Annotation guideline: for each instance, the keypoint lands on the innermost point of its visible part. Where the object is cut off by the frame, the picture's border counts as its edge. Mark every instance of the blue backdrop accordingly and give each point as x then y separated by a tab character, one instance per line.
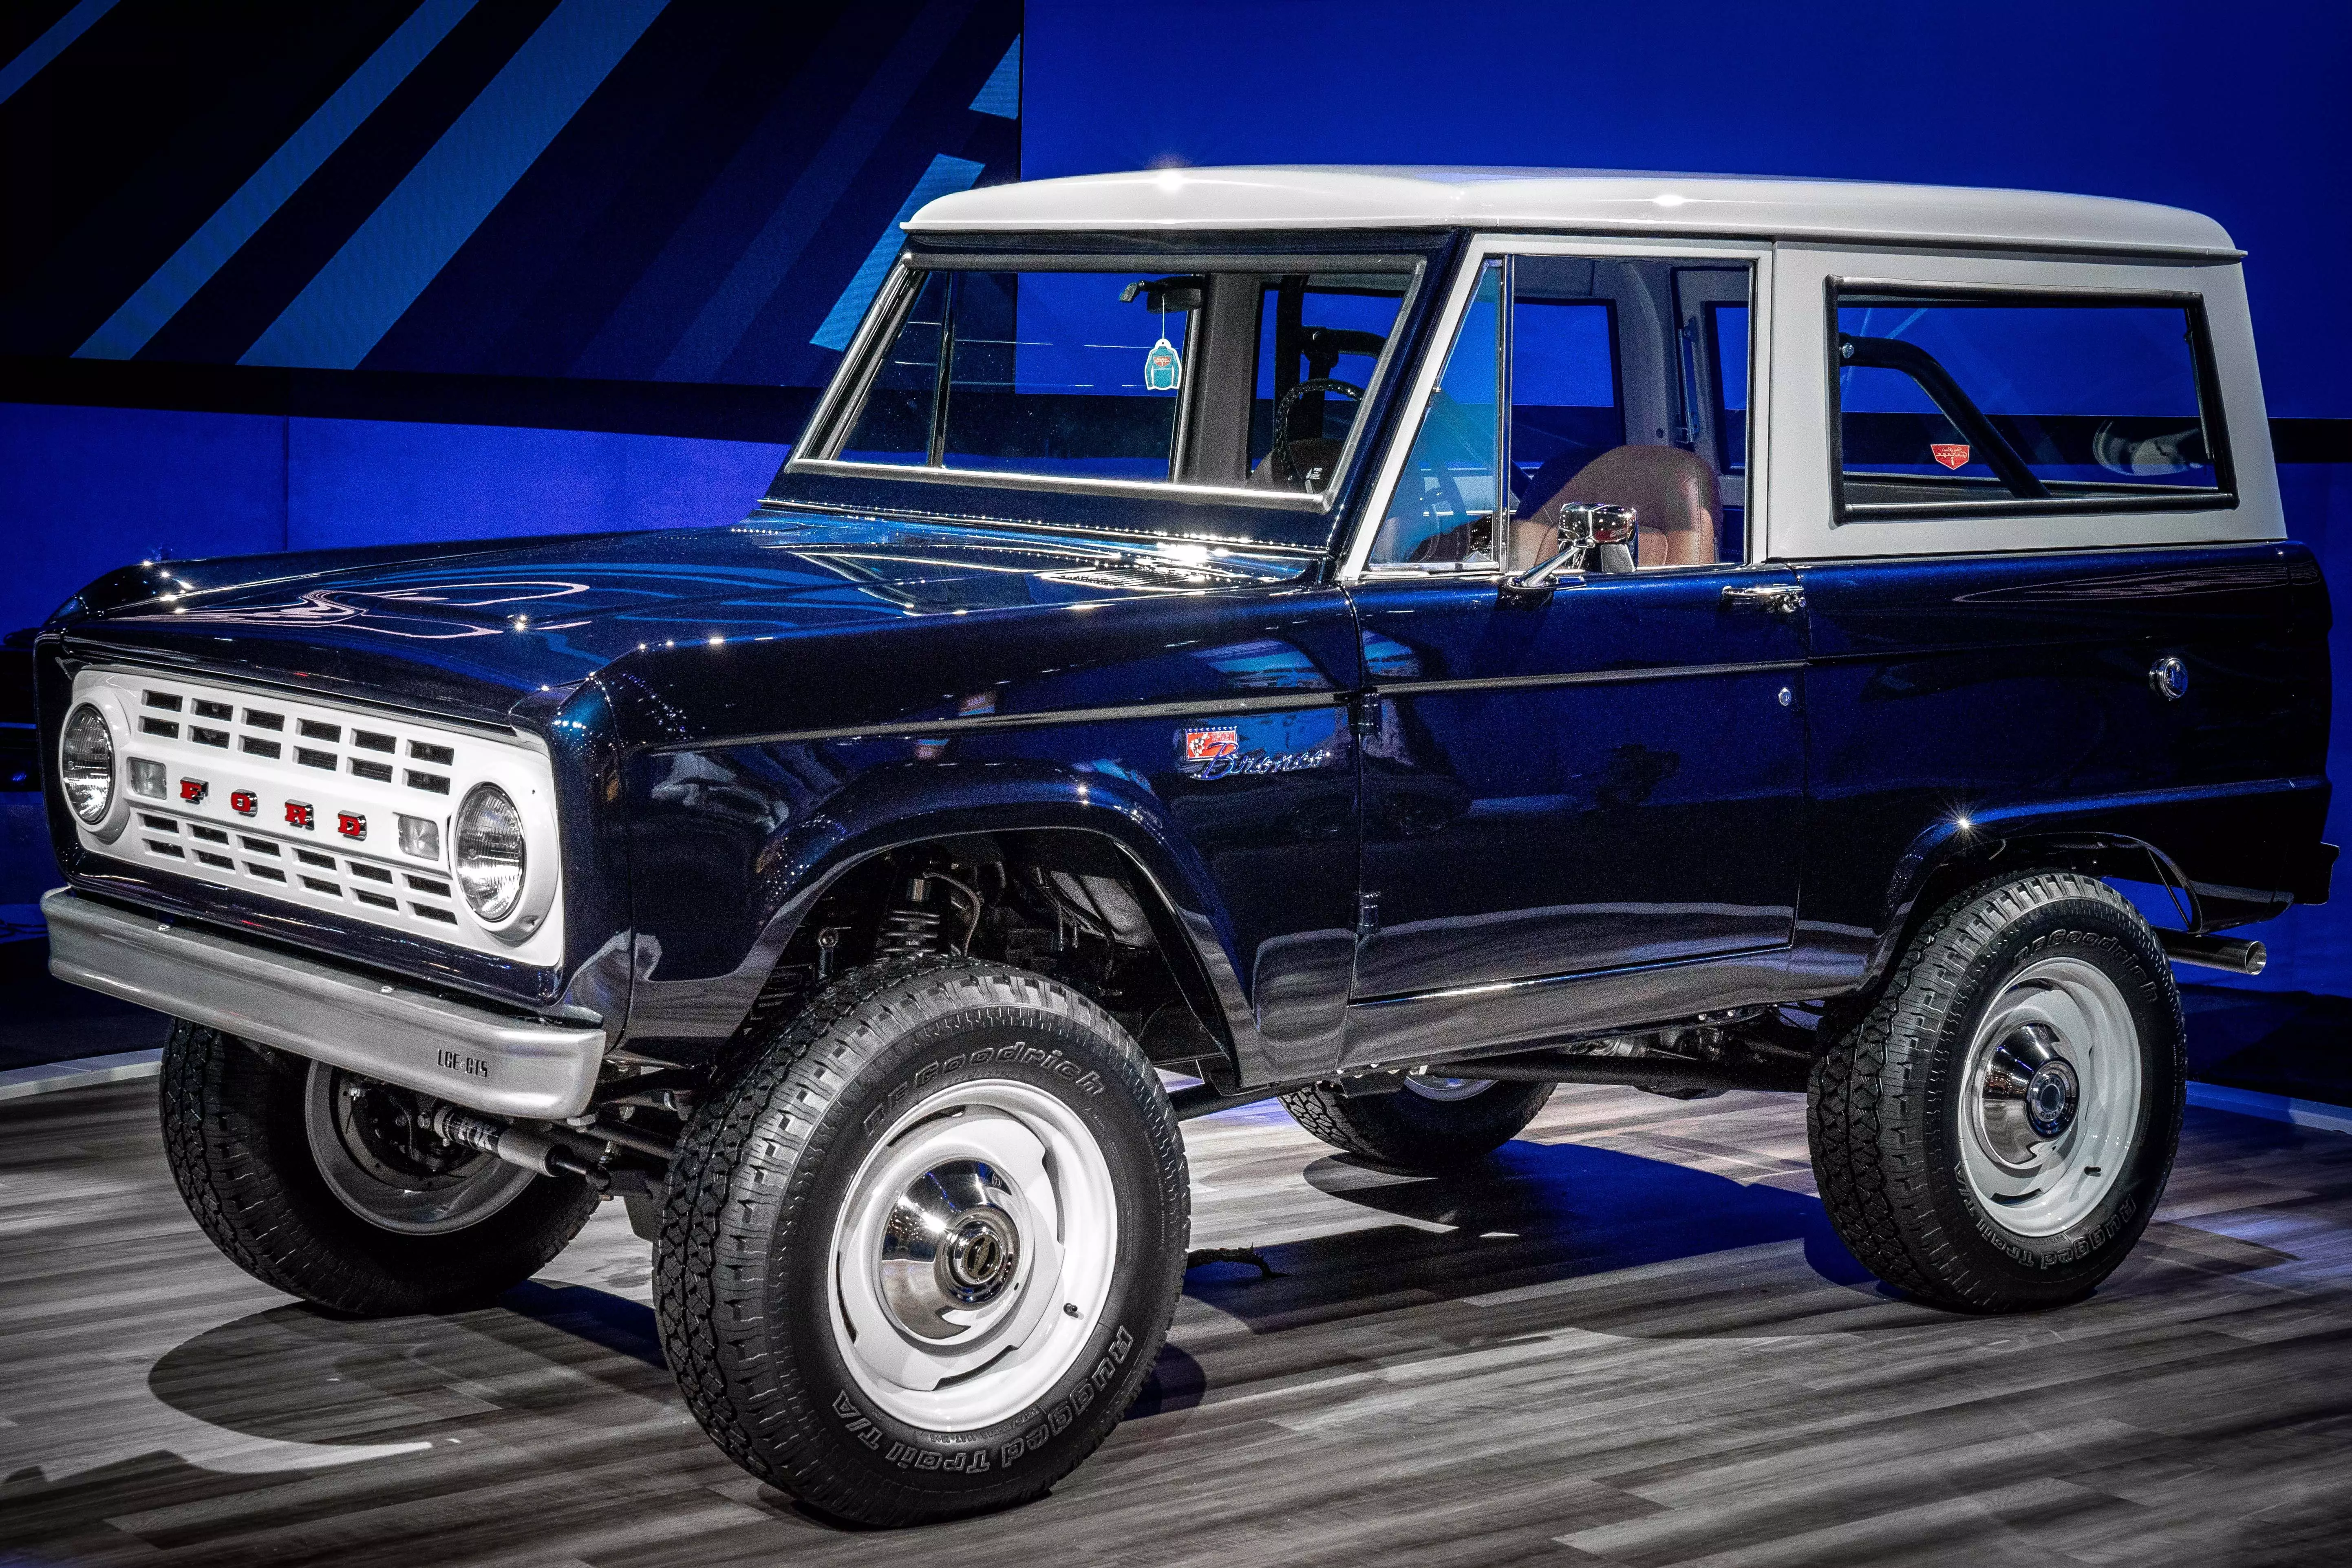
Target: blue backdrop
280	275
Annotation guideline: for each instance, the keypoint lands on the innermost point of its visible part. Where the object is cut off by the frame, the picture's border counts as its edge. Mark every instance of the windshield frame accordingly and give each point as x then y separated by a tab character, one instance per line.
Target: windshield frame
813	476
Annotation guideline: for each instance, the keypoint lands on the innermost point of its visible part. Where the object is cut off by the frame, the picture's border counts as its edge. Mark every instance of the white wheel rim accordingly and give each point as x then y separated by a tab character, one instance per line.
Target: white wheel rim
1004	1177
1446	1088
2051	1098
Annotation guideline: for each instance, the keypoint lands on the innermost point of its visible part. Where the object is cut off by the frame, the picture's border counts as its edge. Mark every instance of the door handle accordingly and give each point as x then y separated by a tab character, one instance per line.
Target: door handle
1772	598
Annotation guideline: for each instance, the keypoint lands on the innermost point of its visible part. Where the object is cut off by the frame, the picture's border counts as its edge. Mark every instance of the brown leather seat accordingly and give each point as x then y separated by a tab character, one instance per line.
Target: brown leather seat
1673	492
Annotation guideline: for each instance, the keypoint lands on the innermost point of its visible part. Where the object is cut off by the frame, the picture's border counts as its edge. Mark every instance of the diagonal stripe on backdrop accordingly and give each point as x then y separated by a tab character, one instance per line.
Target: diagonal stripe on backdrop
346	310
50	45
257	200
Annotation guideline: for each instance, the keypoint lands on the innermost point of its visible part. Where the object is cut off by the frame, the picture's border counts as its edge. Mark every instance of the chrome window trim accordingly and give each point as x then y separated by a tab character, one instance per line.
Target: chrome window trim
1355	563
828	425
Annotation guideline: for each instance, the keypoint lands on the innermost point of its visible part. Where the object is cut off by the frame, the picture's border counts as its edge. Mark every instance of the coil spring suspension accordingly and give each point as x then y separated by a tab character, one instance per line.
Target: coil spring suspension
910	927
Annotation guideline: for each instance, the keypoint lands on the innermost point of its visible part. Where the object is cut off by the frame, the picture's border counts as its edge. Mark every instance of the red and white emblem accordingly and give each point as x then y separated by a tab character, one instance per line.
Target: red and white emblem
1209	745
1951	454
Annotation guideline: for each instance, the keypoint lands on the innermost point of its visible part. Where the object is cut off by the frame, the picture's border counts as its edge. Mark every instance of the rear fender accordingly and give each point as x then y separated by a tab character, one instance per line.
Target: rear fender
2234	852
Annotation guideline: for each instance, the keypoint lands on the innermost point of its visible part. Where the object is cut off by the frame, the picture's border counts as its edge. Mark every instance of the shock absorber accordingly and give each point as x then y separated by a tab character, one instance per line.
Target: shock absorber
910	927
532	1150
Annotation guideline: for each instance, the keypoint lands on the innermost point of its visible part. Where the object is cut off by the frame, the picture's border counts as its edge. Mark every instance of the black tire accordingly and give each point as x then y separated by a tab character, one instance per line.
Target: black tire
743	1275
1888	1098
236	1138
1412	1132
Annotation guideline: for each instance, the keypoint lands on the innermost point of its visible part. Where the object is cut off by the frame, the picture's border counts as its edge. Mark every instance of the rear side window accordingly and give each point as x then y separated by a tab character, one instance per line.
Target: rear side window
1948	402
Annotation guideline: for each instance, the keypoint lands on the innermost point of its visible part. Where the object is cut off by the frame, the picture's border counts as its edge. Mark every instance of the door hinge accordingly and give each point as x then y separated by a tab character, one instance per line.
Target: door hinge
1367	915
1364	714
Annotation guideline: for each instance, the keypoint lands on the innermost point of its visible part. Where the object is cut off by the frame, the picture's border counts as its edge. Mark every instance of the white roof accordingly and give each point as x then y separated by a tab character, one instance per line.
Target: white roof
1581	199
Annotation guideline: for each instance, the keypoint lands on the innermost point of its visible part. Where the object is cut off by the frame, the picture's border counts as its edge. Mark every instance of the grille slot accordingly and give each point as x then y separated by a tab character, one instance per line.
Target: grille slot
313	730
312	857
427	885
257	720
209	835
163	727
310	759
433	781
256	746
270	872
430	913
424	752
161	847
223	861
377	900
205	710
373	873
203	737
164	700
316	886
370	741
158	823
380	772
258	846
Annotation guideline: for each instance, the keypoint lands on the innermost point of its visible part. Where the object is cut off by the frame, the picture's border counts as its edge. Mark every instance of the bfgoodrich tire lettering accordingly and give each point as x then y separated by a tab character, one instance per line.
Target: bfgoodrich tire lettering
1891	1101
746	1280
237	1140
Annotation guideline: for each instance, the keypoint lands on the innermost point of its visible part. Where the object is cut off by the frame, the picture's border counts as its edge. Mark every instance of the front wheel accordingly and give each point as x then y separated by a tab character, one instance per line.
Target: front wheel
1995	1133
918	1260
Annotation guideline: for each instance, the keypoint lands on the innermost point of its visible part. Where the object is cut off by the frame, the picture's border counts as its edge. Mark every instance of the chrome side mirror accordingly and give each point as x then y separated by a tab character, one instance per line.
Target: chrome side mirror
1584	526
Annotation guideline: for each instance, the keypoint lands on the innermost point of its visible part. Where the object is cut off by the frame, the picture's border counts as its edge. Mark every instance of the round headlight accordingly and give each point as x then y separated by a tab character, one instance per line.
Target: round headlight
87	763
488	852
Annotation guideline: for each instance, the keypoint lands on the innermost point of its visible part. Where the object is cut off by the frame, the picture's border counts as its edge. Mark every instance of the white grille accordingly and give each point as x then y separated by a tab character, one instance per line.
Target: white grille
300	801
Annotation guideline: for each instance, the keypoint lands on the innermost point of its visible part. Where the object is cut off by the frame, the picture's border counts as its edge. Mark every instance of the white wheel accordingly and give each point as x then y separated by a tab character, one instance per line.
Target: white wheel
2053	1096
974	1254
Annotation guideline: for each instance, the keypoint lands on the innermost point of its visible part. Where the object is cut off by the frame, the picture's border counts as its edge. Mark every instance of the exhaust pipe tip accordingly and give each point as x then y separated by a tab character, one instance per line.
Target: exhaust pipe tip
2226	952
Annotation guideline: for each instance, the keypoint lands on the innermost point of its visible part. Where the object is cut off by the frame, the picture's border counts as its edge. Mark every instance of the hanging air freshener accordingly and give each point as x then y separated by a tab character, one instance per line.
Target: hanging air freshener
1162	371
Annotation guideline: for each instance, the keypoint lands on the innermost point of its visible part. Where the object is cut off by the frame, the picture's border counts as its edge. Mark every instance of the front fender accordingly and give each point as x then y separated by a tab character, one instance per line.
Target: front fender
734	848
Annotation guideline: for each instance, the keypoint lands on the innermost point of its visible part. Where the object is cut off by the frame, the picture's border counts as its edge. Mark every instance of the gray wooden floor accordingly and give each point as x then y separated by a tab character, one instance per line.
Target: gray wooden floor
1633	1339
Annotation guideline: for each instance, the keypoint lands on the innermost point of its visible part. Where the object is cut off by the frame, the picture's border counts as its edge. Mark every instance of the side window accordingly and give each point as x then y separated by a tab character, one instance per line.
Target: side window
1628	382
1443	512
1948	402
1624	382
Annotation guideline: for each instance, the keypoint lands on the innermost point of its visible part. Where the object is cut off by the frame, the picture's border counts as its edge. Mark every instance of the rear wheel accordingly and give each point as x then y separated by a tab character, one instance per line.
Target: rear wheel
1996	1133
327	1185
1427	1124
916	1261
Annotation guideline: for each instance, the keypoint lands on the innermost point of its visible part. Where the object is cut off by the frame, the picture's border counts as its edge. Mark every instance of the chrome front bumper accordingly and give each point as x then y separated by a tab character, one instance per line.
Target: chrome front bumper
468	1056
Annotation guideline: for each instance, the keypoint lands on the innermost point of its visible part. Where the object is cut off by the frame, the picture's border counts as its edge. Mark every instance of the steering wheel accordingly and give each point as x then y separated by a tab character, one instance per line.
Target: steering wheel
1282	461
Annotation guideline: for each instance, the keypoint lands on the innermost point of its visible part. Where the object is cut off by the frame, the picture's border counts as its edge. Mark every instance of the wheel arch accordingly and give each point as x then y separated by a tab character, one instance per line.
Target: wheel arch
895	810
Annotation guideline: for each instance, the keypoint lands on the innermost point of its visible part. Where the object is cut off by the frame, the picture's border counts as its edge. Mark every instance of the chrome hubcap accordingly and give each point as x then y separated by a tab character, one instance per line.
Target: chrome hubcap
974	1254
951	1244
2051	1101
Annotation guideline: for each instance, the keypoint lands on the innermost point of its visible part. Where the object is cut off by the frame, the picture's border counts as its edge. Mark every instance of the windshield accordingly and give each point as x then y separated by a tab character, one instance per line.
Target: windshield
1243	379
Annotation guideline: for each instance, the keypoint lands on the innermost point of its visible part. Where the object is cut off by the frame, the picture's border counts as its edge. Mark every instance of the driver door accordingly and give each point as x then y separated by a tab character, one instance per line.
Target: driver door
1594	790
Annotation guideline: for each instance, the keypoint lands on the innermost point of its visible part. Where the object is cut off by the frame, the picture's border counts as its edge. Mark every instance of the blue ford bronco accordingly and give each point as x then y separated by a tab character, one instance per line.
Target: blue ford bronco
1392	639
